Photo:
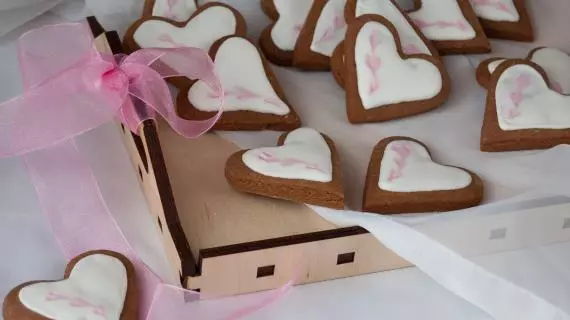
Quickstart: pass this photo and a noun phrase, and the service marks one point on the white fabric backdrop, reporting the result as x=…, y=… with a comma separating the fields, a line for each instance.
x=29, y=251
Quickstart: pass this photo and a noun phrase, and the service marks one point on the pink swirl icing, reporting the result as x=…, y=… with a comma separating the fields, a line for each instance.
x=373, y=62
x=494, y=4
x=287, y=162
x=77, y=302
x=422, y=24
x=403, y=152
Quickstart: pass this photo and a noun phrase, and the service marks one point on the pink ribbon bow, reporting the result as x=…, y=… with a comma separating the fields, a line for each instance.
x=72, y=88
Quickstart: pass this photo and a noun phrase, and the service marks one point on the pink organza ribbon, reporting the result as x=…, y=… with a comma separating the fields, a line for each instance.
x=71, y=88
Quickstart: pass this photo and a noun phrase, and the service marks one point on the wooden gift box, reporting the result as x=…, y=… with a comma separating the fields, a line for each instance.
x=223, y=242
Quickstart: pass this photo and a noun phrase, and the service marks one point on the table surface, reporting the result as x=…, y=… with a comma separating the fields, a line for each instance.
x=29, y=250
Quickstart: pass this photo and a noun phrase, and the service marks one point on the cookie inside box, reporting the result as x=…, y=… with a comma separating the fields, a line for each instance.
x=221, y=241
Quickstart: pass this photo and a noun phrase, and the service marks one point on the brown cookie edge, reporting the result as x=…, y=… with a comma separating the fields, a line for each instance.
x=337, y=64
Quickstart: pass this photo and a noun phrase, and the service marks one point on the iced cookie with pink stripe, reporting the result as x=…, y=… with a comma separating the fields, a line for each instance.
x=524, y=110
x=304, y=168
x=451, y=25
x=97, y=285
x=403, y=178
x=412, y=39
x=253, y=97
x=504, y=19
x=176, y=10
x=383, y=82
x=205, y=26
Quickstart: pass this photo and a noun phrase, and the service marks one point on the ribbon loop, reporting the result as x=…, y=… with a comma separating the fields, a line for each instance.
x=72, y=88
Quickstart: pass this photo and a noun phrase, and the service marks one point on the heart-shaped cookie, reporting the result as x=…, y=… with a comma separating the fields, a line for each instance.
x=451, y=25
x=304, y=168
x=402, y=177
x=252, y=102
x=413, y=41
x=324, y=28
x=382, y=82
x=177, y=10
x=208, y=24
x=97, y=285
x=504, y=19
x=556, y=64
x=523, y=110
x=288, y=17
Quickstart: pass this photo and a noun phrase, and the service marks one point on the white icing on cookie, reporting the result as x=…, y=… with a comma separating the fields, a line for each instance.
x=493, y=65
x=496, y=10
x=411, y=42
x=304, y=155
x=442, y=20
x=330, y=28
x=244, y=80
x=406, y=166
x=556, y=64
x=292, y=16
x=177, y=10
x=384, y=77
x=96, y=289
x=524, y=101
x=201, y=32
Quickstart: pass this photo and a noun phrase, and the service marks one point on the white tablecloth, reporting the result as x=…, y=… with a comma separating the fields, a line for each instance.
x=28, y=250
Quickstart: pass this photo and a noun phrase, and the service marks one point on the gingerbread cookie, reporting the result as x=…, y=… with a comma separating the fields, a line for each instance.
x=504, y=19
x=451, y=25
x=324, y=28
x=96, y=285
x=523, y=110
x=403, y=178
x=288, y=17
x=412, y=39
x=556, y=64
x=253, y=97
x=305, y=168
x=177, y=10
x=209, y=23
x=384, y=83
